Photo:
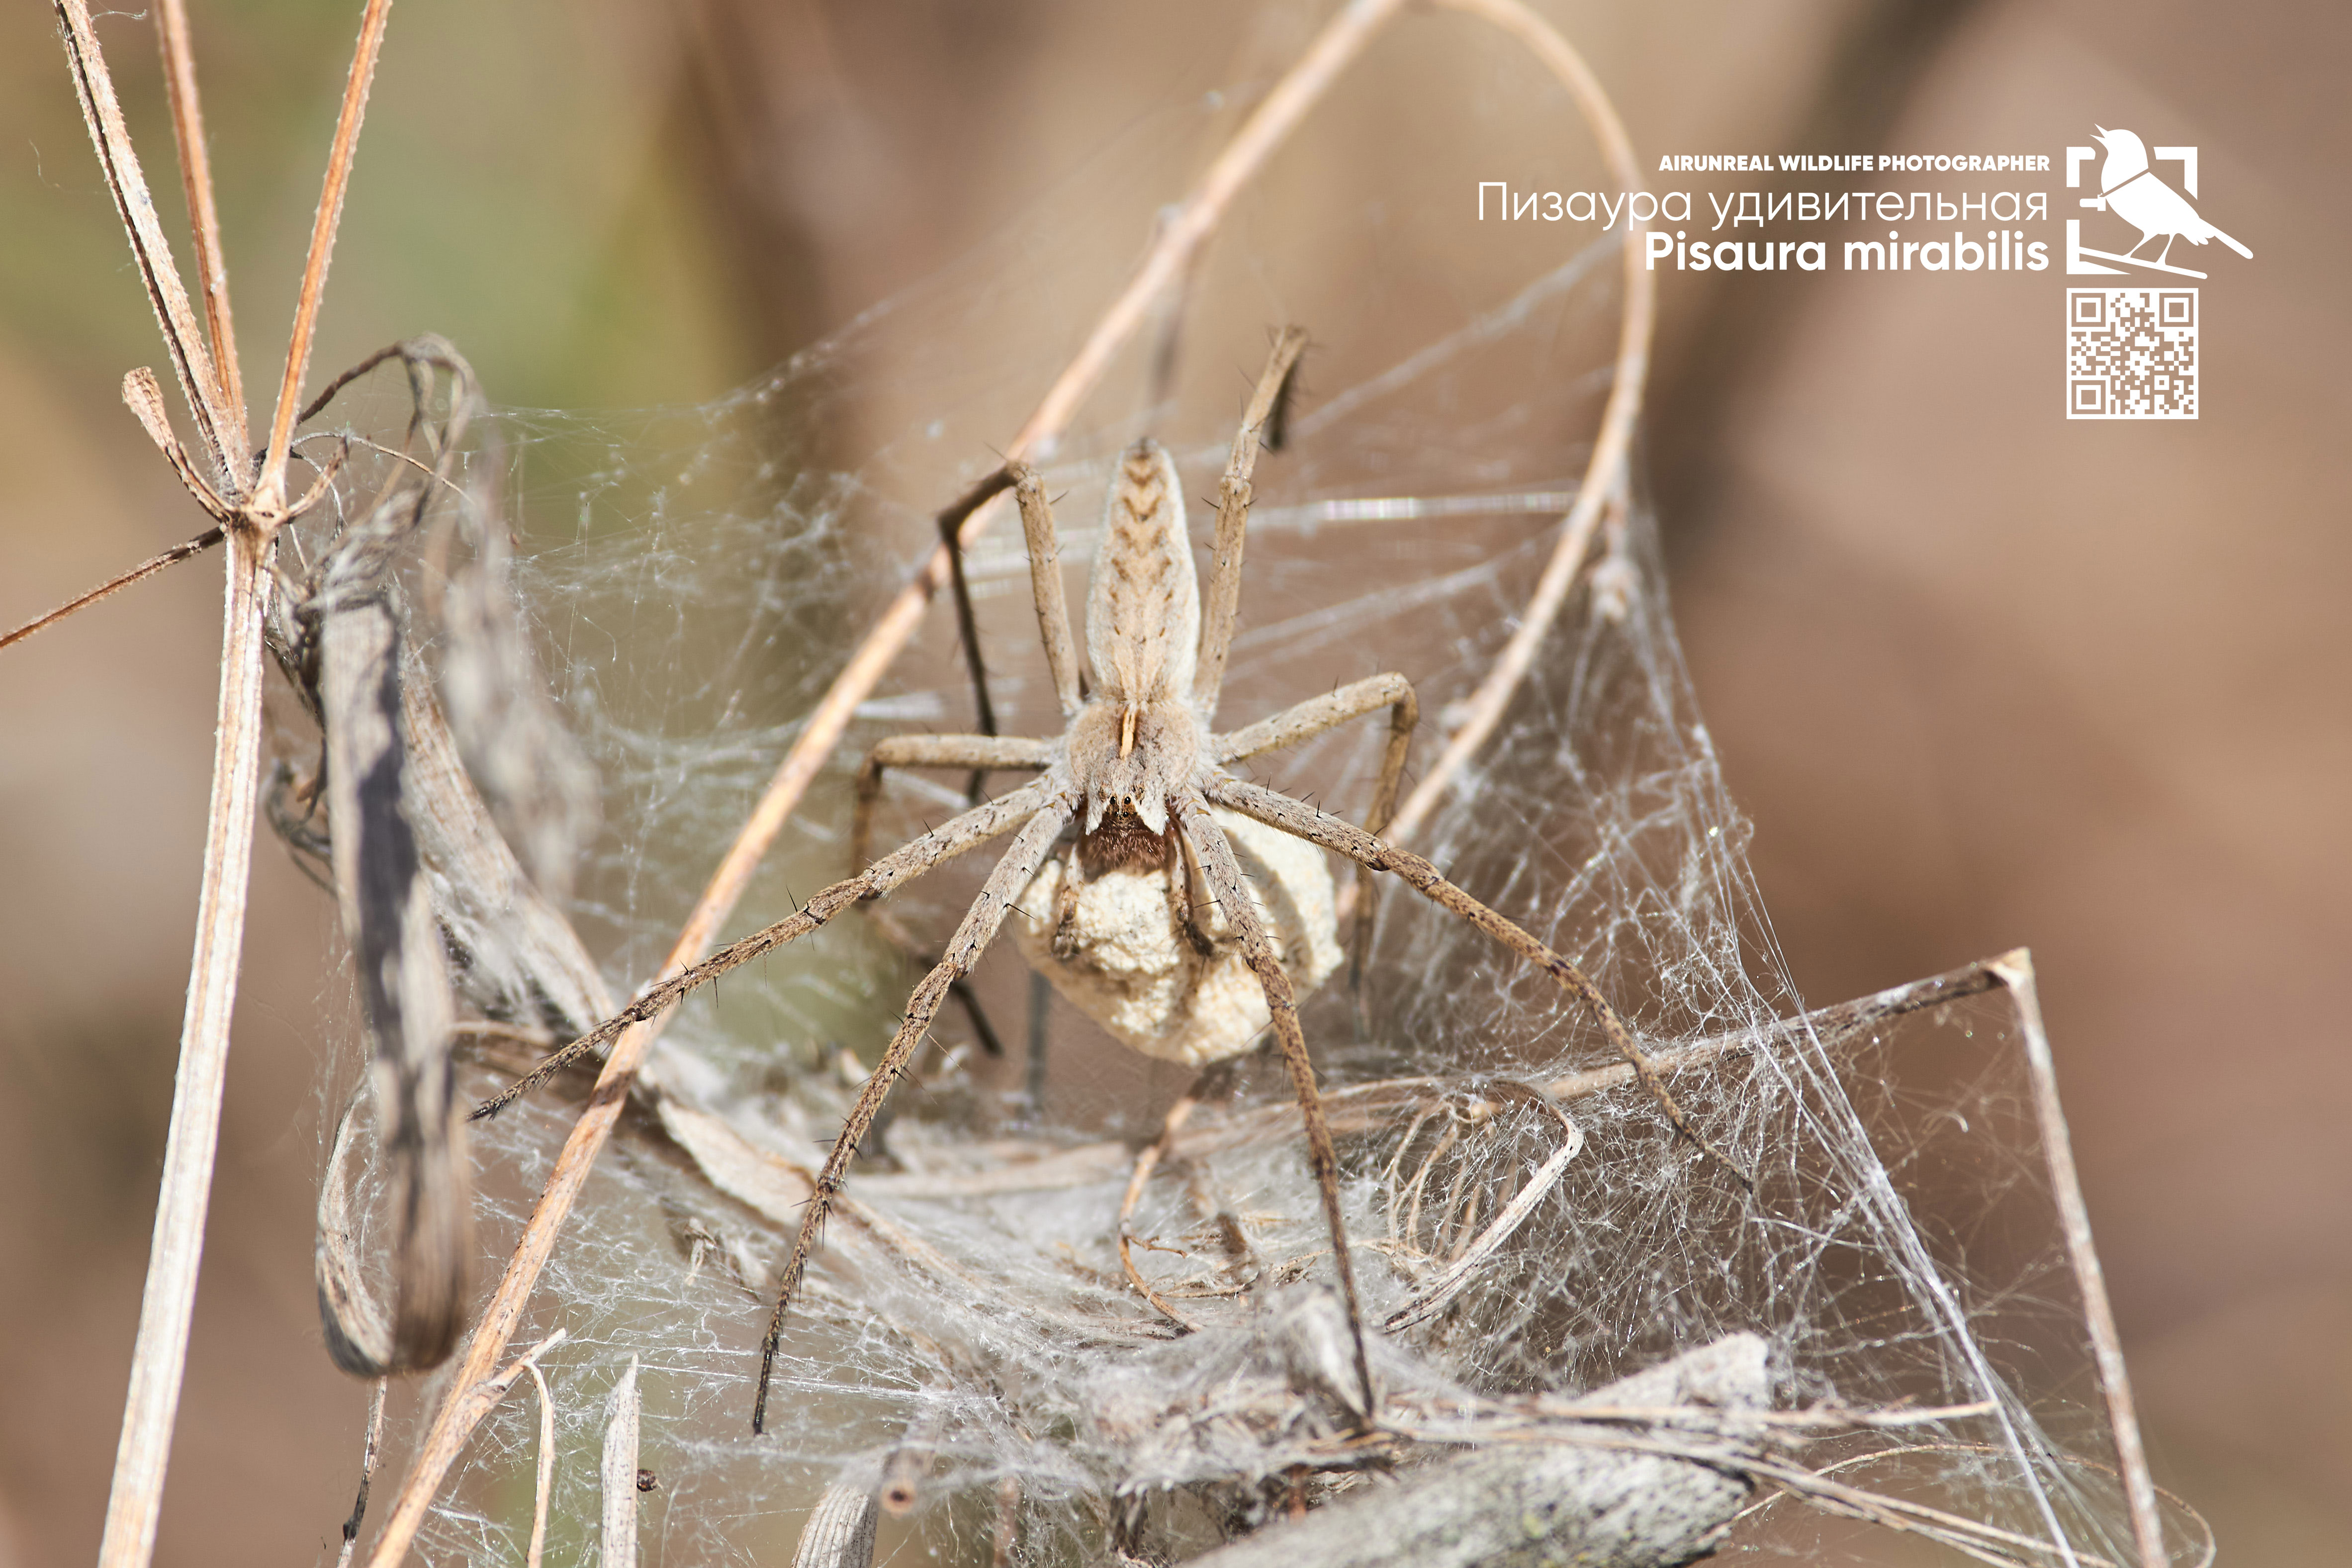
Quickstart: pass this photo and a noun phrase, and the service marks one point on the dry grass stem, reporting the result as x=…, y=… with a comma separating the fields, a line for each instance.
x=2016, y=971
x=203, y=219
x=368, y=1452
x=270, y=491
x=222, y=433
x=544, y=1486
x=206, y=374
x=160, y=1357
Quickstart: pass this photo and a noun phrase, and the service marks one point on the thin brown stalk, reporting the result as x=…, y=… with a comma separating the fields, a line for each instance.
x=545, y=1486
x=1342, y=40
x=1605, y=473
x=191, y=362
x=270, y=491
x=160, y=1357
x=2016, y=971
x=147, y=568
x=368, y=1452
x=204, y=217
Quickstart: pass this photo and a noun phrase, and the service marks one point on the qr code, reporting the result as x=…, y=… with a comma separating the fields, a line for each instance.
x=2131, y=353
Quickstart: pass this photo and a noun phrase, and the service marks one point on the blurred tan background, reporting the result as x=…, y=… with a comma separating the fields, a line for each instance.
x=1981, y=677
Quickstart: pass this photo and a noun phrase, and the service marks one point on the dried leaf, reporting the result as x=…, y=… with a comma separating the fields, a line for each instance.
x=388, y=918
x=358, y=1337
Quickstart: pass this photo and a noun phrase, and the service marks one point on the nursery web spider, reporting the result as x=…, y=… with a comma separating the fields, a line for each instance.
x=1136, y=770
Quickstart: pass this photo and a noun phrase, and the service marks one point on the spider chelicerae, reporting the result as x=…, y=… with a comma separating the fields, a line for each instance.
x=1136, y=772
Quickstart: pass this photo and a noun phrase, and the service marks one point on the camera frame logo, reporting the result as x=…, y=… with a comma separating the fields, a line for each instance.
x=2131, y=352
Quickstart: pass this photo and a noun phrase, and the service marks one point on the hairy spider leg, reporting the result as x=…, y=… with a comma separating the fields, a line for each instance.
x=989, y=752
x=982, y=753
x=1221, y=606
x=1226, y=883
x=1303, y=821
x=1304, y=720
x=969, y=831
x=981, y=923
x=1046, y=590
x=1262, y=424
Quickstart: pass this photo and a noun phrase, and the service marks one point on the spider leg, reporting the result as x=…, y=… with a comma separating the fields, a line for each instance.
x=979, y=926
x=959, y=834
x=1303, y=821
x=899, y=937
x=968, y=628
x=1222, y=601
x=1045, y=585
x=1223, y=872
x=1313, y=717
x=933, y=752
x=951, y=524
x=979, y=752
x=1186, y=893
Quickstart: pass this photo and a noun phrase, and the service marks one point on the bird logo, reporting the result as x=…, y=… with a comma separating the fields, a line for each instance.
x=2131, y=190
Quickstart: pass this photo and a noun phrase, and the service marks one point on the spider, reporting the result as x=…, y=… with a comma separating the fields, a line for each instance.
x=1136, y=770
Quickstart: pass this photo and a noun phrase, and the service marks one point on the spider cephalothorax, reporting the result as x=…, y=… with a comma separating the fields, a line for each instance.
x=1142, y=778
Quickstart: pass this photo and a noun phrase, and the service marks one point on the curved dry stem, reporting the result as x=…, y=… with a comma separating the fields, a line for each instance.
x=1612, y=450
